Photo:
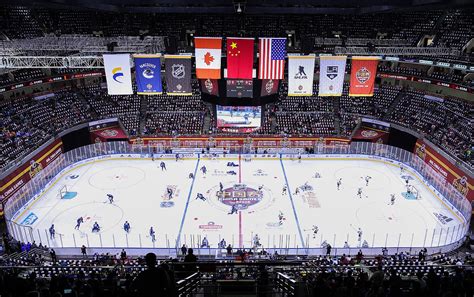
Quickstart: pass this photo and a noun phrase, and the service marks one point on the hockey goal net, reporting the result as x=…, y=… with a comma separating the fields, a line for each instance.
x=62, y=191
x=412, y=193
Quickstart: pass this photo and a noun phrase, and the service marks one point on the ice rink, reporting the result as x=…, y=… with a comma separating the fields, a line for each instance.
x=256, y=188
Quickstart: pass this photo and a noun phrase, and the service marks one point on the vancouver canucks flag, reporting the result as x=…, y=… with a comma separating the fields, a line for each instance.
x=331, y=75
x=148, y=74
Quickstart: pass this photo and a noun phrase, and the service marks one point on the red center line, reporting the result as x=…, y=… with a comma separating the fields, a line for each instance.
x=240, y=168
x=241, y=237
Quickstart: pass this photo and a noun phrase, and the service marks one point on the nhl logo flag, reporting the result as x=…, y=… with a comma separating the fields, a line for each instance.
x=331, y=75
x=117, y=74
x=240, y=58
x=178, y=75
x=272, y=58
x=300, y=75
x=148, y=74
x=208, y=57
x=363, y=74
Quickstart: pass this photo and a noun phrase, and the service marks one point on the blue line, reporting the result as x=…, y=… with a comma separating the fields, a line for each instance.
x=178, y=242
x=292, y=204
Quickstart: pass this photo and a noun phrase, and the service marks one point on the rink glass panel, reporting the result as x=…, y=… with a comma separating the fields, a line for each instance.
x=443, y=239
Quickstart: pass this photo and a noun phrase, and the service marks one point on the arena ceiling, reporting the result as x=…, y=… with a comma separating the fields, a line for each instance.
x=247, y=6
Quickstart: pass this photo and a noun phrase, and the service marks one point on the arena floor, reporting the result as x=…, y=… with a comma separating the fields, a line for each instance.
x=139, y=187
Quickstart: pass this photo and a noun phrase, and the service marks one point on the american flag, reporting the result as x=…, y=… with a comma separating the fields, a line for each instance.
x=272, y=58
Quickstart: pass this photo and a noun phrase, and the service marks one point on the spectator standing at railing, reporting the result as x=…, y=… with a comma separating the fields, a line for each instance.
x=153, y=281
x=52, y=253
x=190, y=258
x=184, y=250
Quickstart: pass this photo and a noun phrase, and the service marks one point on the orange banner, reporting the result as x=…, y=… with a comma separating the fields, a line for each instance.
x=363, y=73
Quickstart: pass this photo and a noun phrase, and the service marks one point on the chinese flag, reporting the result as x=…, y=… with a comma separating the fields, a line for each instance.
x=240, y=58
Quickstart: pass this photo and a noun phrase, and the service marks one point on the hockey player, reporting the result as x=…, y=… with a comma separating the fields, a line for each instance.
x=169, y=191
x=315, y=231
x=392, y=199
x=365, y=244
x=79, y=221
x=359, y=193
x=126, y=226
x=233, y=210
x=96, y=227
x=177, y=157
x=359, y=234
x=152, y=234
x=367, y=179
x=222, y=244
x=299, y=157
x=339, y=183
x=204, y=169
x=281, y=217
x=256, y=241
x=401, y=169
x=306, y=187
x=205, y=243
x=200, y=196
x=221, y=187
x=297, y=191
x=317, y=175
x=111, y=198
x=52, y=232
x=260, y=188
x=191, y=175
x=284, y=190
x=162, y=165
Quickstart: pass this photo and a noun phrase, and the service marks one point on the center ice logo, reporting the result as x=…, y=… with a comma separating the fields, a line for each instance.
x=241, y=196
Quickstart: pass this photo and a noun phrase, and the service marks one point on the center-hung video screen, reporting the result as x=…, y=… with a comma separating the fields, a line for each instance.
x=239, y=119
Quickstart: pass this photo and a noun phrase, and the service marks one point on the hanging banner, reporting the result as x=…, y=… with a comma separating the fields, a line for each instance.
x=240, y=58
x=117, y=74
x=269, y=87
x=148, y=74
x=300, y=75
x=210, y=86
x=272, y=53
x=208, y=57
x=178, y=75
x=331, y=75
x=363, y=72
